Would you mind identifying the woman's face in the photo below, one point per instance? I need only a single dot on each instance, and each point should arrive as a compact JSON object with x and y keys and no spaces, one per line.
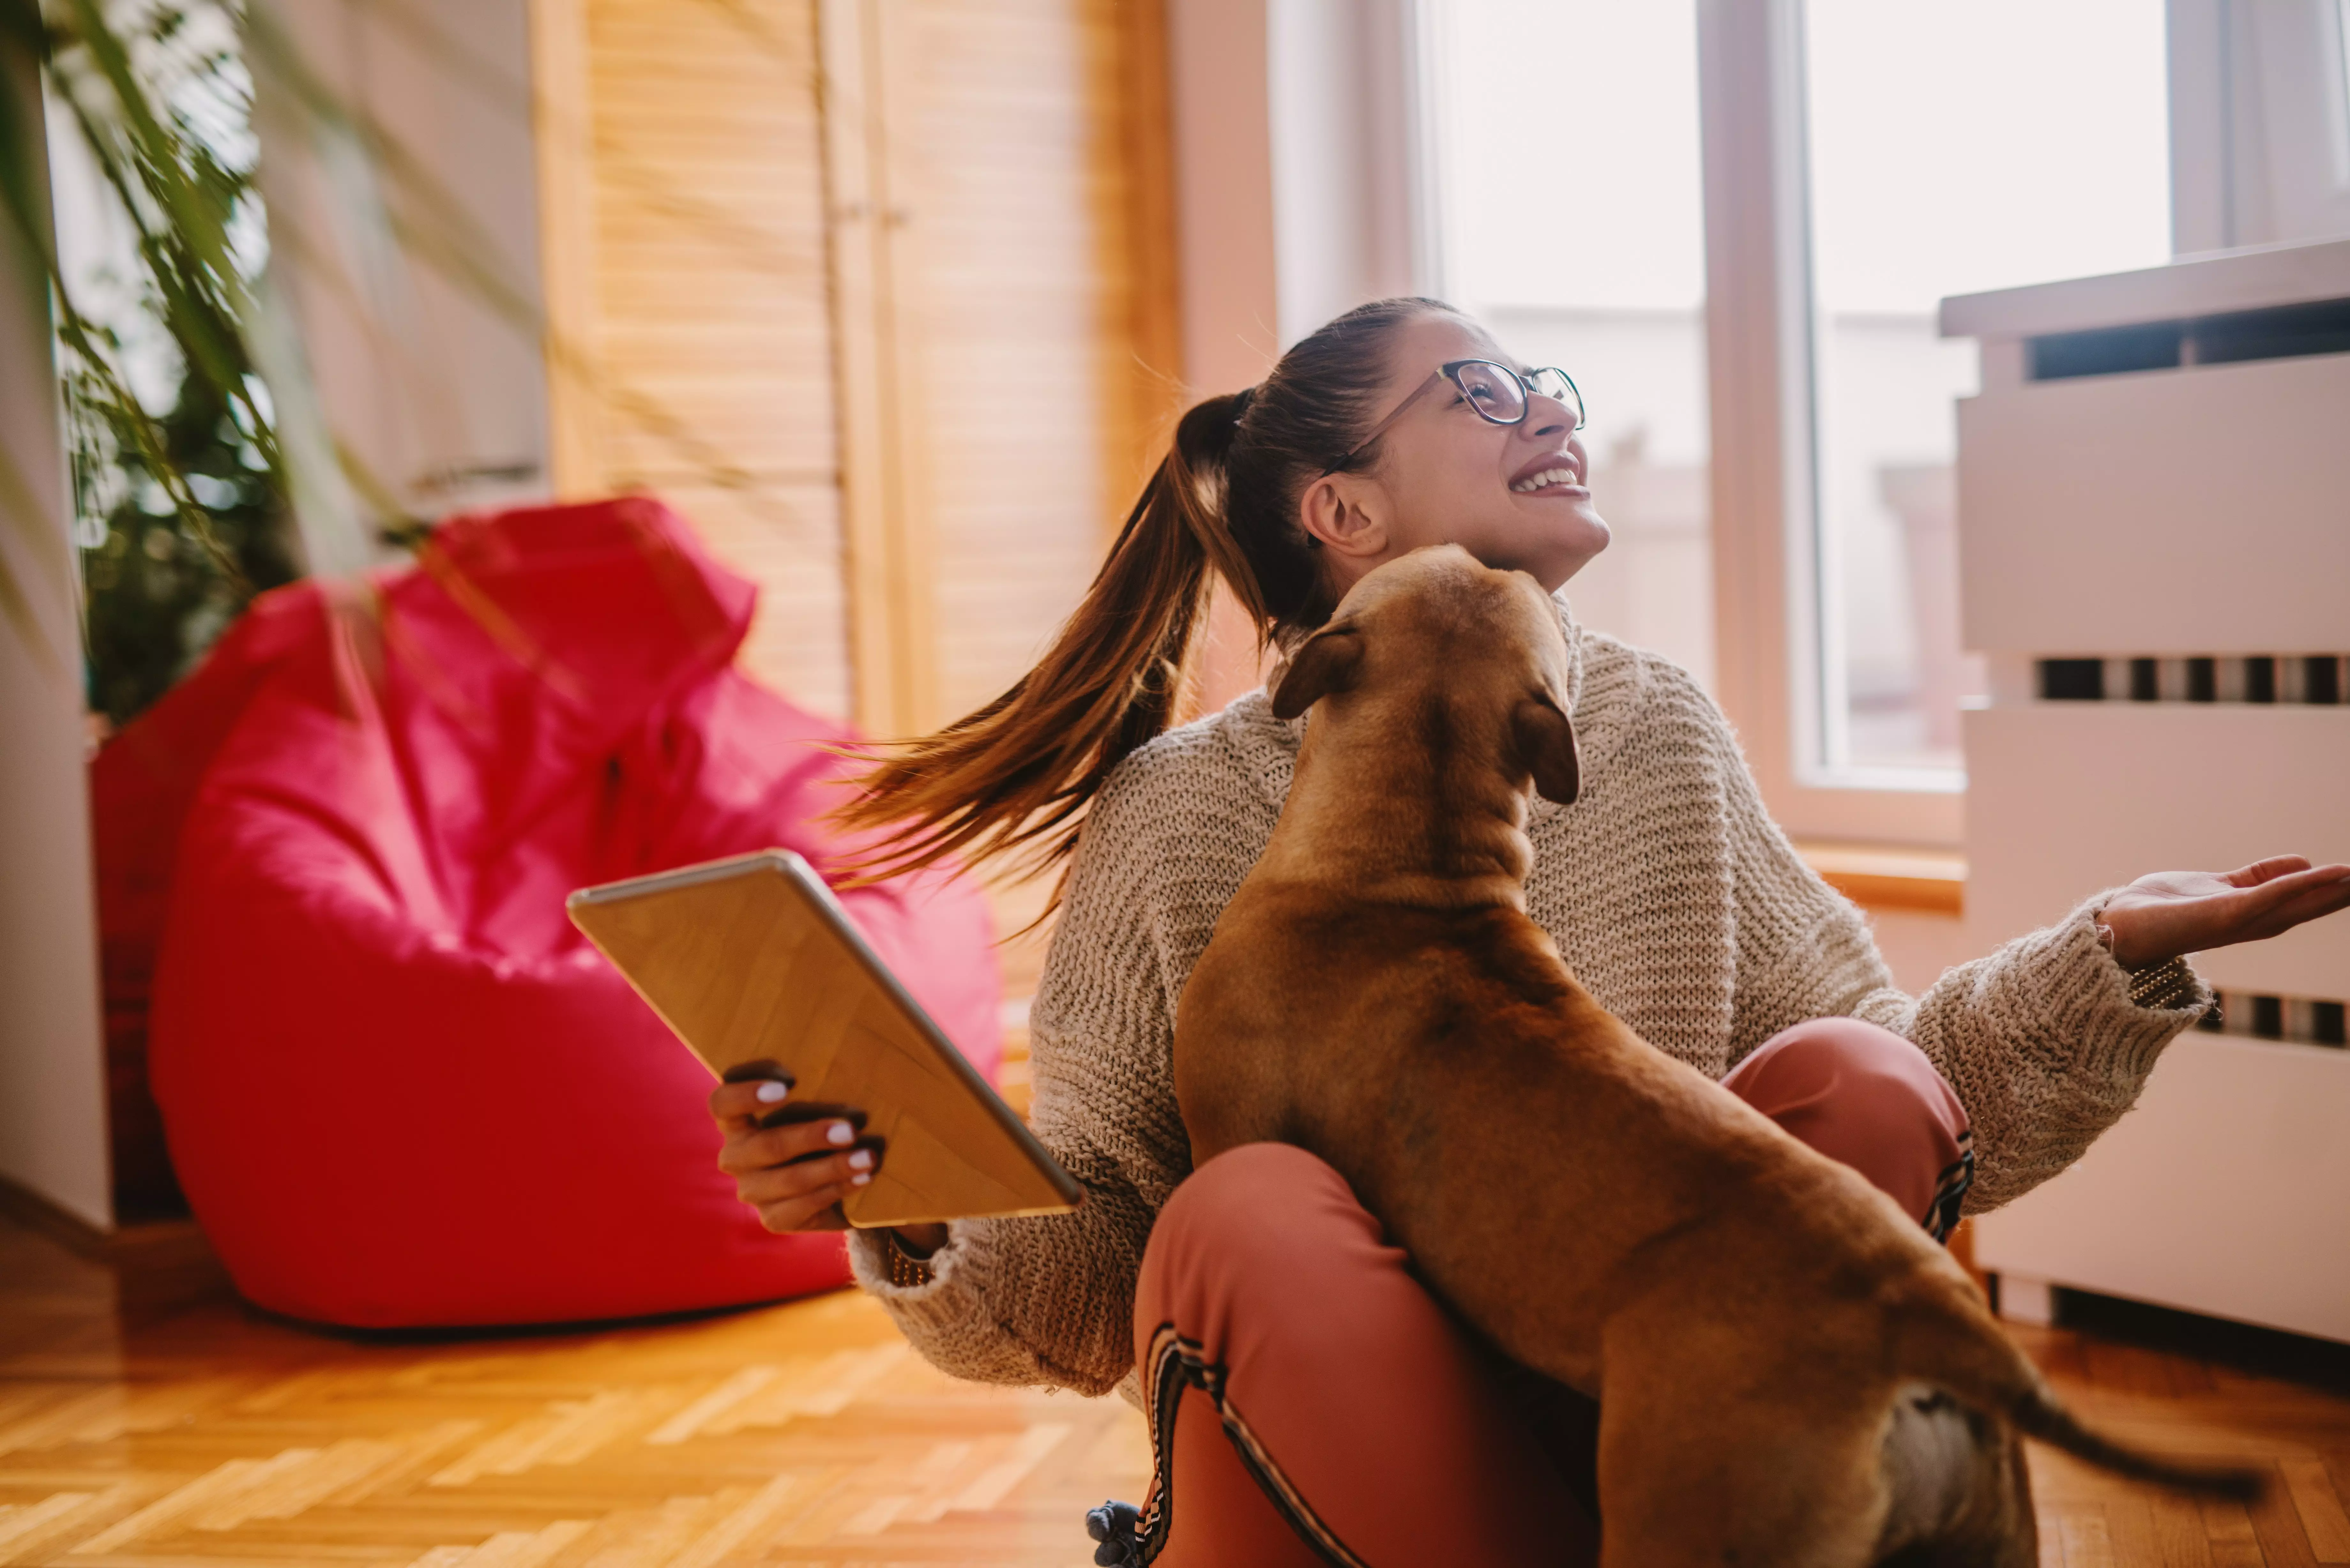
{"x":1444,"y":475}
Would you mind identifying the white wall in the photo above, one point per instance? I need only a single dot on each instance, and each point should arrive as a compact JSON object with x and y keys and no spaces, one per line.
{"x":1345,"y":149}
{"x":1294,"y":172}
{"x":52,"y":1048}
{"x":1294,"y":199}
{"x":414,"y":279}
{"x":1223,"y":191}
{"x":1919,"y":945}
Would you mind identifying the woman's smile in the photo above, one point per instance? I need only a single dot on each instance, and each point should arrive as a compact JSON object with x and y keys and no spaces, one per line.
{"x":1554,"y":473}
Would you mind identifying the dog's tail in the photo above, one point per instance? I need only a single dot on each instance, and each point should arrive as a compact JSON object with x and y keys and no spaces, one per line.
{"x":1953,"y":1343}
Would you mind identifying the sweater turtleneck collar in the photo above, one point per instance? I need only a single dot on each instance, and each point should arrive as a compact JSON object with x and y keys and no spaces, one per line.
{"x":1568,"y":627}
{"x":1271,"y":744}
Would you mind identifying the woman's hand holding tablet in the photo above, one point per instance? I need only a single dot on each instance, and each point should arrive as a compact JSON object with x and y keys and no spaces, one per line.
{"x":841,"y":1102}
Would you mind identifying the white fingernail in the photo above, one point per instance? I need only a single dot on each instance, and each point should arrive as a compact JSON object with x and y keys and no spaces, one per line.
{"x":859,"y":1180}
{"x":840,"y":1132}
{"x":773,"y":1090}
{"x":861,"y":1161}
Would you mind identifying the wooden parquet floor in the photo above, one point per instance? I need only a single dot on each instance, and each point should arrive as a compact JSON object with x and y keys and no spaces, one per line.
{"x":149,"y":1421}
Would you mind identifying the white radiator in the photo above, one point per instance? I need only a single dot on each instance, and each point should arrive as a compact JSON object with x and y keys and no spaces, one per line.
{"x":2154,"y":506}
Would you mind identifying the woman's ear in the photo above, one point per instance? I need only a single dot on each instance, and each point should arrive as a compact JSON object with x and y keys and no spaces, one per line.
{"x":1325,"y":663}
{"x":1546,"y":741}
{"x":1337,"y":512}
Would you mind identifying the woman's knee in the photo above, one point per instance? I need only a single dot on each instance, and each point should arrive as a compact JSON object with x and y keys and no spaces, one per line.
{"x":1862,"y":1094}
{"x":1794,"y":1063}
{"x":1257,"y":1200}
{"x":1266,"y":1222}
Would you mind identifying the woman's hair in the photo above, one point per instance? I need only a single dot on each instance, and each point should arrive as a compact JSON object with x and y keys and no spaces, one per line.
{"x":1017,"y":774}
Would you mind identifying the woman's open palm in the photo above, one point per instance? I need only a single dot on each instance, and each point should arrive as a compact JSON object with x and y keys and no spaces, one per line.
{"x":2174,"y":912}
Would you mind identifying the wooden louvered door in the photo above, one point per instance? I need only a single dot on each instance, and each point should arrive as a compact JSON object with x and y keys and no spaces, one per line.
{"x":690,"y":350}
{"x":878,"y":292}
{"x":1017,"y":168}
{"x":1004,"y":249}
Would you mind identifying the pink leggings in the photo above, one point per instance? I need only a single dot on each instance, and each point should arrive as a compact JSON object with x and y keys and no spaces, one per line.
{"x":1316,"y":1405}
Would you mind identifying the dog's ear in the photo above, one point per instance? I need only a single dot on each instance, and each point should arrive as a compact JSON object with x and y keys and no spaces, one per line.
{"x":1325,"y":663}
{"x":1546,"y":741}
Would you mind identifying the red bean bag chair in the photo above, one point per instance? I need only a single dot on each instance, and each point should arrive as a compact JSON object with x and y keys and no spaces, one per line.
{"x":400,"y":1090}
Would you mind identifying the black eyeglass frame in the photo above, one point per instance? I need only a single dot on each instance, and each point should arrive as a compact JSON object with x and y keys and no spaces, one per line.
{"x":1451,"y":371}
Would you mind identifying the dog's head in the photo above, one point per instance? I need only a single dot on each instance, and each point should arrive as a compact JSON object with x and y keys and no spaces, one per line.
{"x":1436,"y":626}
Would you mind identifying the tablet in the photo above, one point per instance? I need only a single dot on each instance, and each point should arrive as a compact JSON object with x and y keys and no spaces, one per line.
{"x":755,"y":966}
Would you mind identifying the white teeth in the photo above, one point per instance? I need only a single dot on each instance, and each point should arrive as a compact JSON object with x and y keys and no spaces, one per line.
{"x":1547,"y":476}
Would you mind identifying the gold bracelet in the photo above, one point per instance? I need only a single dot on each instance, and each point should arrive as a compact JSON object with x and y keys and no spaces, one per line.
{"x":2163,"y":987}
{"x":906,"y":1272}
{"x":2160,"y":987}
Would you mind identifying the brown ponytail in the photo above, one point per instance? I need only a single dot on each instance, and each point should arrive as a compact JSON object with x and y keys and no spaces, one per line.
{"x":1017,"y":774}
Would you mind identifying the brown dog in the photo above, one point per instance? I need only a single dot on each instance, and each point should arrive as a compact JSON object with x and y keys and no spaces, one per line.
{"x":1791,"y":1371}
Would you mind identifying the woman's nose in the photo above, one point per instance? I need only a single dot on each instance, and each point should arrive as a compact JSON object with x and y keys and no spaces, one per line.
{"x":1547,"y":417}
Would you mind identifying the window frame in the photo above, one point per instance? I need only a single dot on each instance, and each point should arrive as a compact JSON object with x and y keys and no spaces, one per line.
{"x":1760,"y":378}
{"x":2260,"y":154}
{"x":2260,"y":122}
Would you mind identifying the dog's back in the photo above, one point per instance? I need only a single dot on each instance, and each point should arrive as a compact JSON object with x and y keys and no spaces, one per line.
{"x":1481,"y":1102}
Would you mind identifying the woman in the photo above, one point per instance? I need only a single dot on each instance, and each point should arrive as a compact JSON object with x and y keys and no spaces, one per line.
{"x":1311,"y":1389}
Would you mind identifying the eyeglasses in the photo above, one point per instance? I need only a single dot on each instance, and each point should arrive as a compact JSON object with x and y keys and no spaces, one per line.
{"x":1497,"y":394}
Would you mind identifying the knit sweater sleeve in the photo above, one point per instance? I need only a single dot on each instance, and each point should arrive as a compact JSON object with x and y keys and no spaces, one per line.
{"x":1050,"y":1299}
{"x":2039,"y":1040}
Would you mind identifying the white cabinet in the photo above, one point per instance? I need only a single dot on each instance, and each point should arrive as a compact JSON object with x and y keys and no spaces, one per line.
{"x":2154,"y":517}
{"x":2064,"y":799}
{"x":2204,"y":510}
{"x":2221,"y":1193}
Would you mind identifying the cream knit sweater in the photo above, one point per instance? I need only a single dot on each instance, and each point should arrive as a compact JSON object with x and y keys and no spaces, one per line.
{"x":1672,"y":895}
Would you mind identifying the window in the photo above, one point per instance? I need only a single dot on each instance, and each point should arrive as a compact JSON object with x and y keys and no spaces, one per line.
{"x":1941,"y":158}
{"x":2338,"y":98}
{"x":1571,"y":223}
{"x":1862,"y":162}
{"x":2260,"y":121}
{"x":1793,"y":461}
